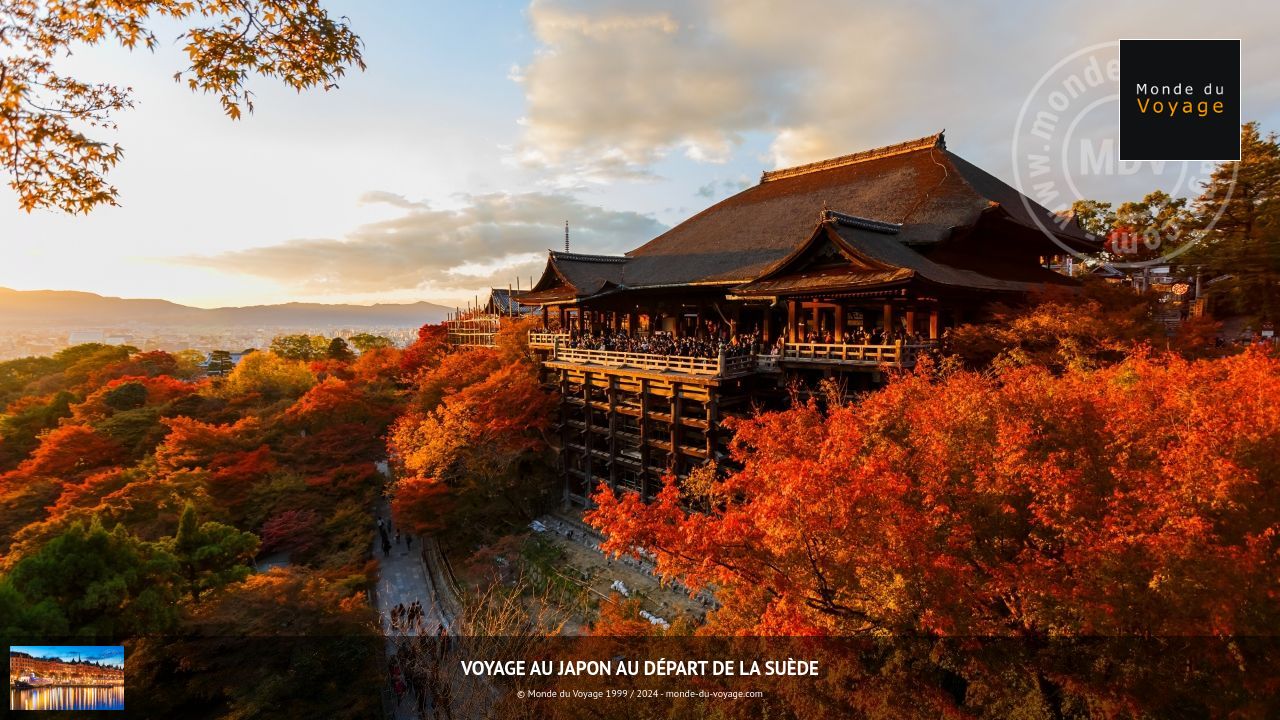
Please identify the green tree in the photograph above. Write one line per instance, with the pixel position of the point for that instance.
(268, 375)
(190, 364)
(300, 346)
(1094, 216)
(339, 350)
(220, 363)
(1242, 248)
(46, 116)
(210, 554)
(364, 342)
(91, 581)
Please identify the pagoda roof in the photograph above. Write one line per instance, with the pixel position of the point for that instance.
(925, 191)
(870, 254)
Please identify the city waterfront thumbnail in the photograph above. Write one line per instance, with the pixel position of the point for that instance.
(66, 677)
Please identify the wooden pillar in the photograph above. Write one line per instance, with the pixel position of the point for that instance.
(677, 409)
(546, 317)
(615, 321)
(713, 423)
(587, 423)
(792, 330)
(888, 318)
(933, 323)
(633, 323)
(564, 433)
(838, 335)
(646, 489)
(613, 432)
(766, 331)
(911, 321)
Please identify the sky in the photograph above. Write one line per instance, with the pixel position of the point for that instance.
(104, 654)
(451, 164)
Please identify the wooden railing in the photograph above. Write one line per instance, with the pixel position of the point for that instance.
(547, 340)
(896, 354)
(643, 361)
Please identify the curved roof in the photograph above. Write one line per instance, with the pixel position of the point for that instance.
(918, 185)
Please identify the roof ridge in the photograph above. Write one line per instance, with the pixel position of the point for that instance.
(560, 255)
(862, 223)
(929, 141)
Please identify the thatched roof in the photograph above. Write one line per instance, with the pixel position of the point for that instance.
(919, 185)
(869, 254)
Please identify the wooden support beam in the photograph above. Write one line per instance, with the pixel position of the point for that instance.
(911, 321)
(838, 335)
(613, 431)
(564, 431)
(933, 323)
(677, 408)
(888, 318)
(646, 489)
(713, 424)
(793, 330)
(587, 422)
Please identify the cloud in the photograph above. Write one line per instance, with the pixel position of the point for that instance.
(617, 85)
(720, 188)
(490, 240)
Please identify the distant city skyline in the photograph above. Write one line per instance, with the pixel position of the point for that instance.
(451, 164)
(101, 654)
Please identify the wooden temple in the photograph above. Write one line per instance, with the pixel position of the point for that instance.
(838, 269)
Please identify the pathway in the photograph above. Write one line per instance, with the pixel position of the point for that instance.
(402, 579)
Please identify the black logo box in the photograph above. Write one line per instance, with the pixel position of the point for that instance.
(1187, 68)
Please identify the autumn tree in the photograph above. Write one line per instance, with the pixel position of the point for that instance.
(51, 123)
(309, 638)
(1240, 208)
(1131, 499)
(210, 554)
(1058, 328)
(478, 441)
(269, 377)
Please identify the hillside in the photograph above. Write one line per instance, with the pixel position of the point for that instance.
(20, 309)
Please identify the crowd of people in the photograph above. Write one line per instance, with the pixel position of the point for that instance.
(711, 344)
(417, 670)
(407, 618)
(384, 529)
(704, 345)
(863, 336)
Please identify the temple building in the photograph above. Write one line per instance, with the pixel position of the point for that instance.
(835, 269)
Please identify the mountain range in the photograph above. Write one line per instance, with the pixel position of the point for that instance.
(32, 309)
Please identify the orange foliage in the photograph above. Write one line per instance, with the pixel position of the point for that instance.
(193, 444)
(377, 365)
(620, 617)
(159, 390)
(426, 351)
(68, 452)
(1134, 499)
(420, 504)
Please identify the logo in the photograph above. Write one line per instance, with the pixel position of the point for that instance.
(1066, 148)
(1180, 100)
